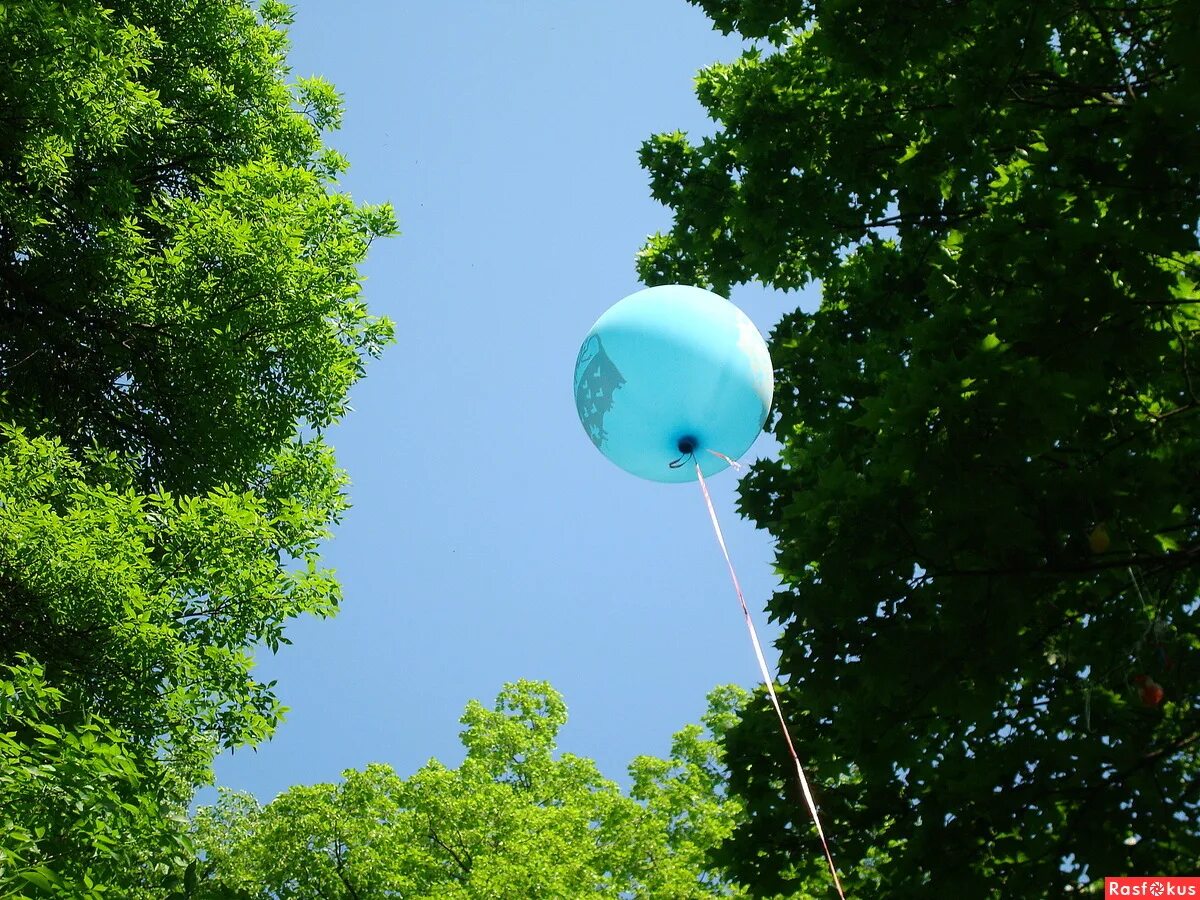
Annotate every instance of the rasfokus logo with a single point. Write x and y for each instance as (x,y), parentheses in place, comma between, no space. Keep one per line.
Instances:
(1152,886)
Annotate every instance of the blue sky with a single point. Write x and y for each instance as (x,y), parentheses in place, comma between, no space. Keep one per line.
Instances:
(489,541)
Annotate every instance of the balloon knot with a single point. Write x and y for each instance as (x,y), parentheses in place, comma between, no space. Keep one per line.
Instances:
(687,447)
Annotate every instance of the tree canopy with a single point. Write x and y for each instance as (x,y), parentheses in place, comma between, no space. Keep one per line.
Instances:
(987,503)
(180,319)
(515,819)
(179,282)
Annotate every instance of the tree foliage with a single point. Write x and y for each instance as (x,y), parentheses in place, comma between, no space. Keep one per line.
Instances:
(84,808)
(987,503)
(515,819)
(180,319)
(179,283)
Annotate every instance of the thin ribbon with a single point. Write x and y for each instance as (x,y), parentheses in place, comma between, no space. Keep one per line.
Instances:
(766,676)
(733,463)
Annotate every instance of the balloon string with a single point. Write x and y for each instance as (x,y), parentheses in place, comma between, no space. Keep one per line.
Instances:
(766,675)
(734,464)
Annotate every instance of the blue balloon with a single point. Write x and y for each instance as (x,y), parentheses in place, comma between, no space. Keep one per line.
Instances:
(670,373)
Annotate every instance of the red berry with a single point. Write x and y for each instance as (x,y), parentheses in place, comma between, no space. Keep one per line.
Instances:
(1152,693)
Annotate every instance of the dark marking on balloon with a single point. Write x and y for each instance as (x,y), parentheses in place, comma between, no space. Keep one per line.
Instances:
(596,380)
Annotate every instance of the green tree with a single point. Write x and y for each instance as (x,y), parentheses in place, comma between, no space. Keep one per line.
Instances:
(180,319)
(179,282)
(986,505)
(516,819)
(76,794)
